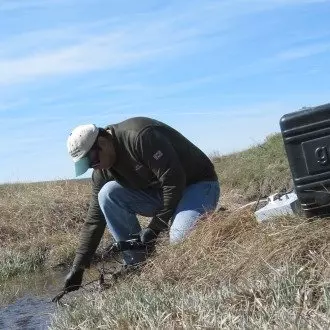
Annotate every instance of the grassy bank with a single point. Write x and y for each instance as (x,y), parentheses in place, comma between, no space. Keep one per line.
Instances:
(231,272)
(40,222)
(257,171)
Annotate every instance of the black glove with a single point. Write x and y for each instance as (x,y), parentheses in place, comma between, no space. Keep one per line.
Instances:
(73,280)
(148,236)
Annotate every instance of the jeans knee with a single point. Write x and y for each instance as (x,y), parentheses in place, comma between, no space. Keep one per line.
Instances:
(183,223)
(109,189)
(176,236)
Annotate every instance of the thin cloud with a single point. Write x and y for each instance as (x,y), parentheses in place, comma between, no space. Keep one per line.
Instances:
(303,51)
(71,50)
(243,7)
(268,63)
(161,90)
(5,106)
(12,5)
(107,51)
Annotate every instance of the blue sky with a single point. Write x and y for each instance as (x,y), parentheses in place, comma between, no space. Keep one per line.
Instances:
(221,72)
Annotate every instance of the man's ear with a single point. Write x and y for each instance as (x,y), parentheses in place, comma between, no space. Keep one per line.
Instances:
(102,142)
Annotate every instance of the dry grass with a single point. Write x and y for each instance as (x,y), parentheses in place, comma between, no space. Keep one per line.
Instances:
(39,224)
(257,171)
(237,246)
(41,209)
(230,273)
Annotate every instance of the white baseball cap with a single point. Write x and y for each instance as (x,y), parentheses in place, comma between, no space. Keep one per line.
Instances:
(79,142)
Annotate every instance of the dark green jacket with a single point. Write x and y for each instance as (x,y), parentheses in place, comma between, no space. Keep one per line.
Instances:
(149,154)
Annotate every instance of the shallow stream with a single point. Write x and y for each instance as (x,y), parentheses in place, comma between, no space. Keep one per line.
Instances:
(25,302)
(28,313)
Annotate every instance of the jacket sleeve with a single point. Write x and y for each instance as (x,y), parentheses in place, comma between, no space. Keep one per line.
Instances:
(93,228)
(158,154)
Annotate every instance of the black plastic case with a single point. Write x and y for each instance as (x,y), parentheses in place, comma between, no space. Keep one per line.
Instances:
(306,136)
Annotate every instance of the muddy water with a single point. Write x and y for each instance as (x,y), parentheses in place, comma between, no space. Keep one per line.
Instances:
(28,313)
(26,302)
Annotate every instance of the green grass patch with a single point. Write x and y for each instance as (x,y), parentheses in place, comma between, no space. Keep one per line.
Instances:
(14,263)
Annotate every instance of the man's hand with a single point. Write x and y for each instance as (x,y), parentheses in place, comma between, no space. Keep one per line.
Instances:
(73,280)
(148,236)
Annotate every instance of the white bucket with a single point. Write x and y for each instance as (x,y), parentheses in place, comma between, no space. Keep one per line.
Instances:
(278,204)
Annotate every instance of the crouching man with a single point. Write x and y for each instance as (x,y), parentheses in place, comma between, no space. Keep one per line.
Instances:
(140,166)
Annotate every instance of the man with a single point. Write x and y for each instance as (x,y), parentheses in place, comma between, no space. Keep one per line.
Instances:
(141,166)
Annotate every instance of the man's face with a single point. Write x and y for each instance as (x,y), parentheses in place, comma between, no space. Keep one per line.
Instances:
(102,155)
(94,156)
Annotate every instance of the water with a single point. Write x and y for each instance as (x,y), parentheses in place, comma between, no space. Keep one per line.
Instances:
(26,301)
(28,313)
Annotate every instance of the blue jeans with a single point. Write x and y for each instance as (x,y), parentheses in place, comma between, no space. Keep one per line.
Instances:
(120,206)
